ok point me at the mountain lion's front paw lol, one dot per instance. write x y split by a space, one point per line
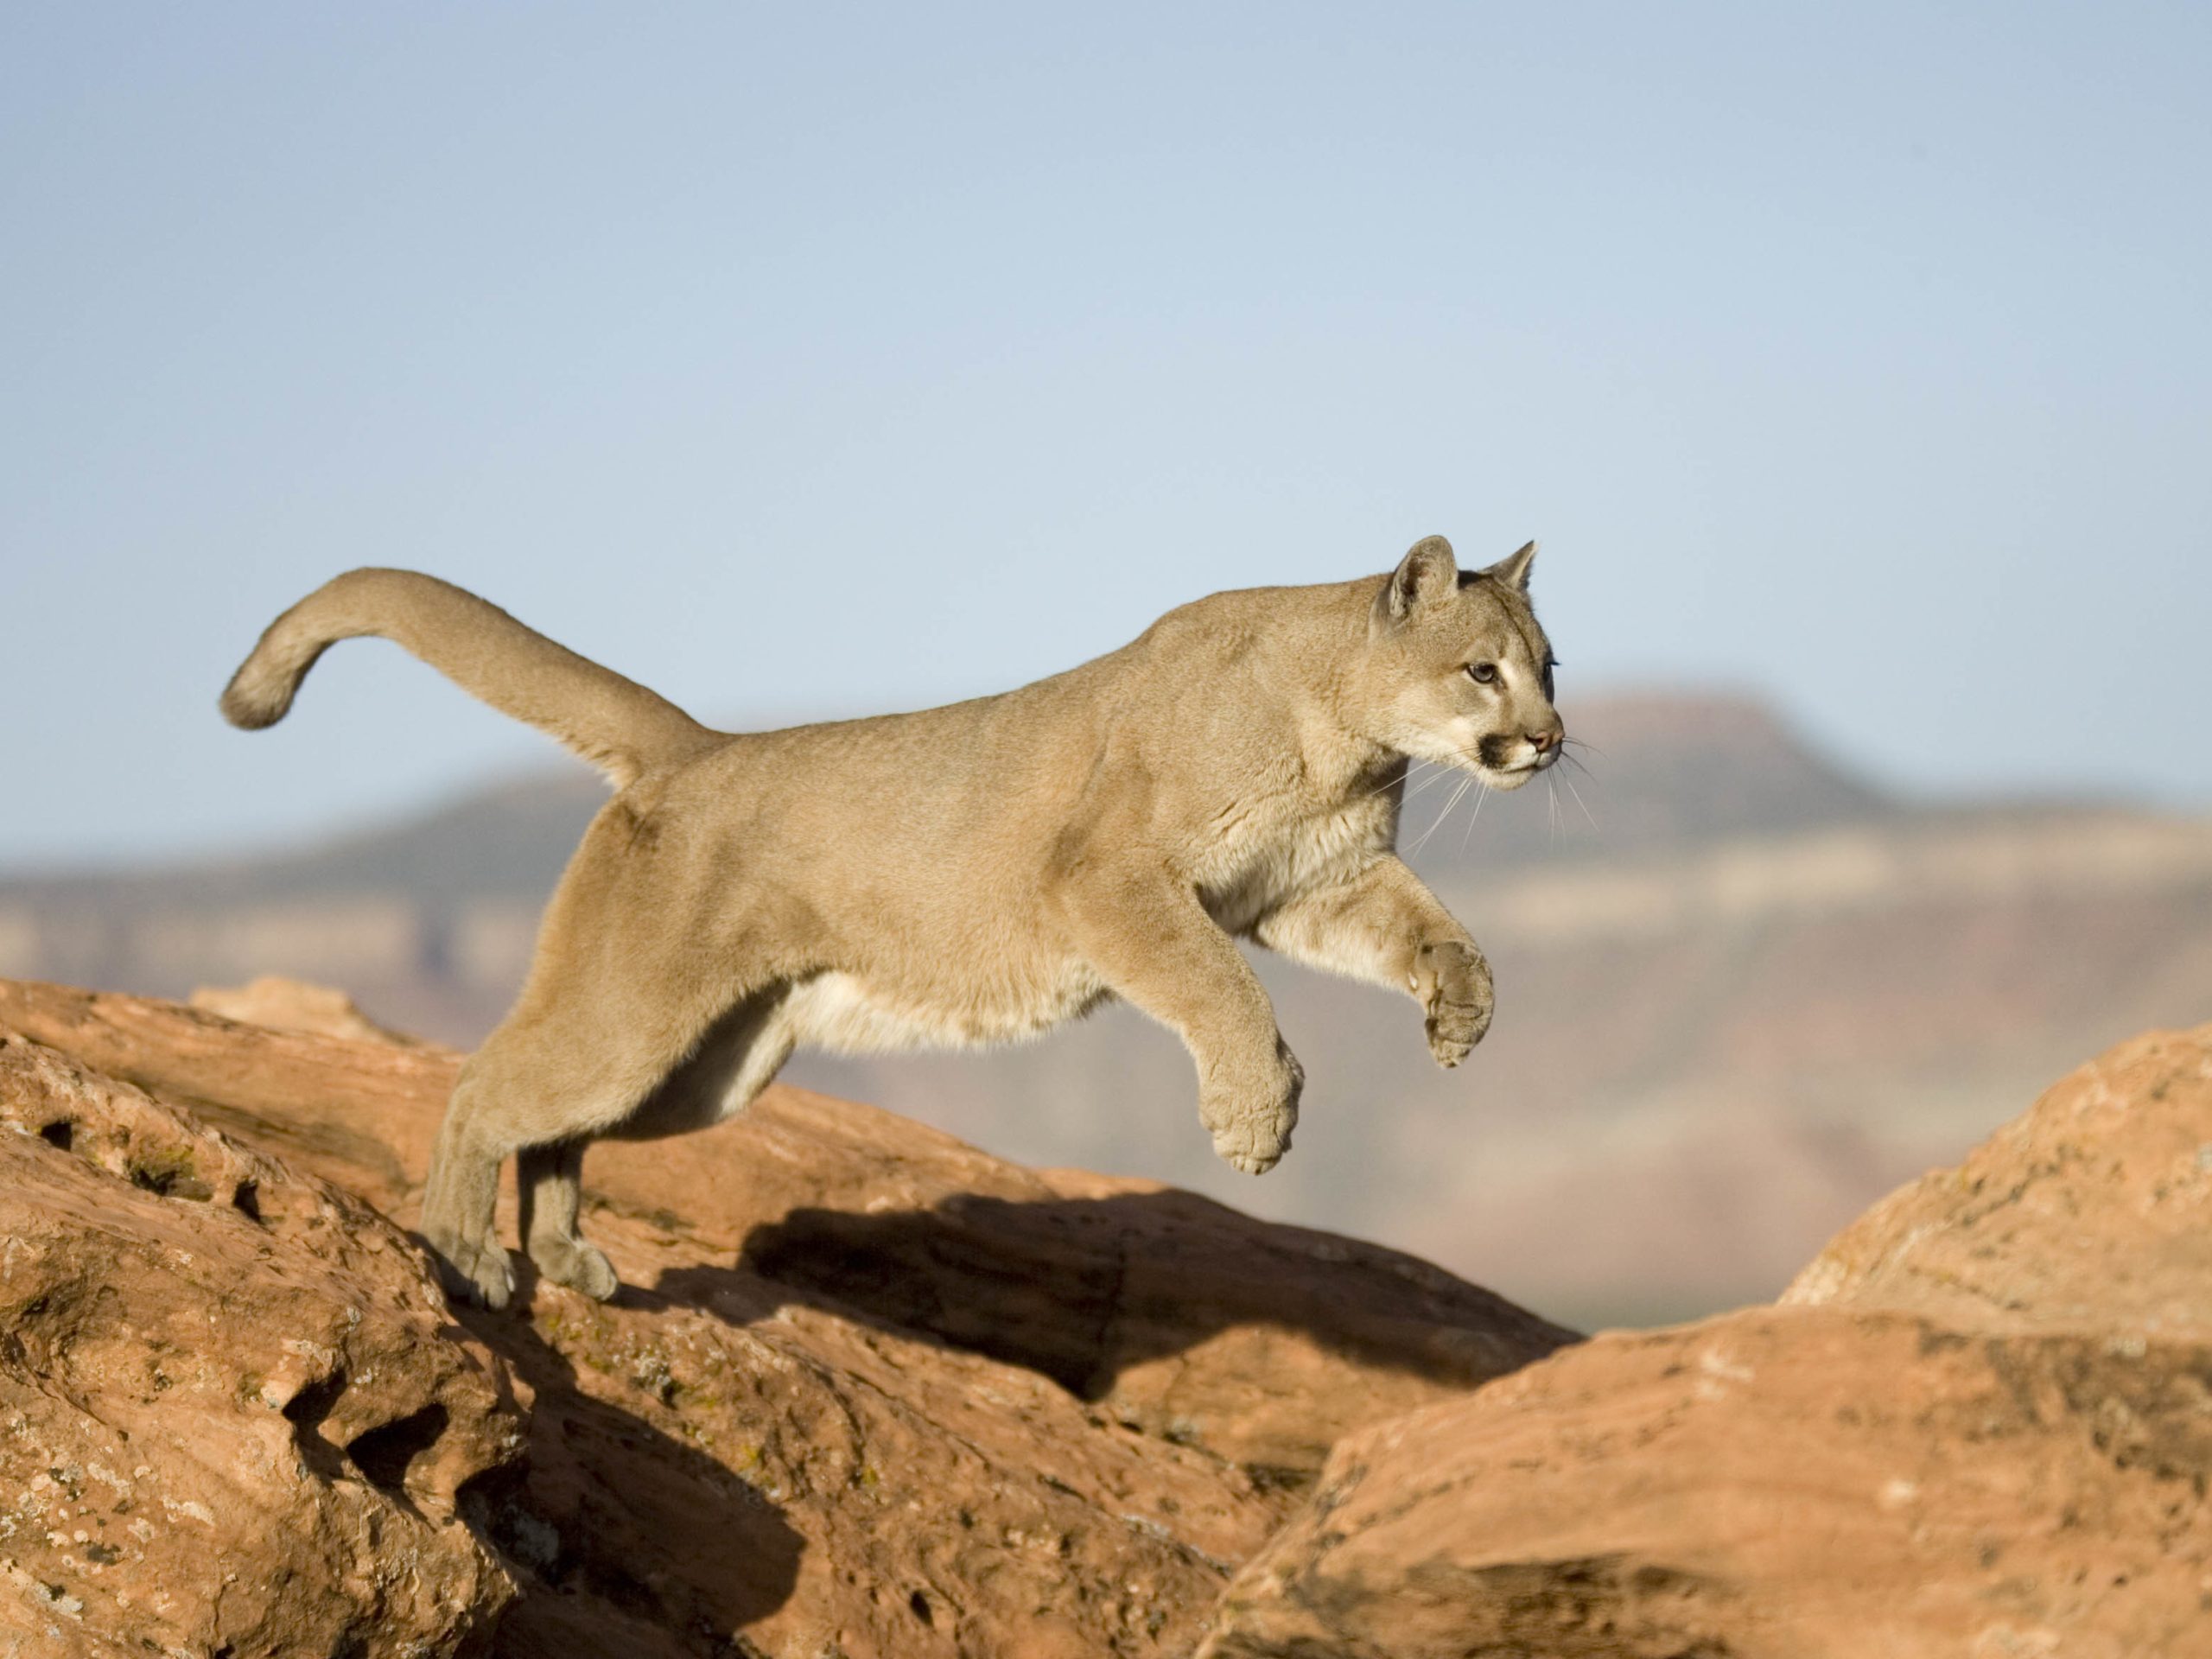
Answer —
1251 1127
1452 981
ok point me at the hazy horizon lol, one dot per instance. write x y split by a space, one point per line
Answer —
861 359
551 765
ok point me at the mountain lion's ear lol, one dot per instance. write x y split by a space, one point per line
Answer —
1425 572
1513 571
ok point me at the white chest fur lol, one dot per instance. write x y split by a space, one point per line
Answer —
1247 876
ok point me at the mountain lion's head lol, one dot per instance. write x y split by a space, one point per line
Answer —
1457 669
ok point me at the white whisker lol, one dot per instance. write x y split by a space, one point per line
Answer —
1391 782
1579 801
1465 784
1467 834
1432 778
1399 778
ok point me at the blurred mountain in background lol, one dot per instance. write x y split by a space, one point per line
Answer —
1740 994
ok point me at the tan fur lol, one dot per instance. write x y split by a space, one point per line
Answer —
968 874
616 724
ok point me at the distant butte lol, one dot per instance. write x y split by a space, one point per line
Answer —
1742 992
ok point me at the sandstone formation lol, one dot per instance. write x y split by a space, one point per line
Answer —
2091 1212
295 1005
234 1416
1982 1425
871 1392
868 1391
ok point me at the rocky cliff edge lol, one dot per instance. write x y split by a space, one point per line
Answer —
871 1392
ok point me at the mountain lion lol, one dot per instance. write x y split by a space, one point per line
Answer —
970 874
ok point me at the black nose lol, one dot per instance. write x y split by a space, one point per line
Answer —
1543 743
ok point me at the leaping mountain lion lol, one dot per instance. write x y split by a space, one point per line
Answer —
964 875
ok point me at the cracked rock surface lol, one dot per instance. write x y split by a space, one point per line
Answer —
866 1391
234 1416
1979 1425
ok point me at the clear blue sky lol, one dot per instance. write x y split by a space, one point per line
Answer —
802 361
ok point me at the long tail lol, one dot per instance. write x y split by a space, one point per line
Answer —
616 724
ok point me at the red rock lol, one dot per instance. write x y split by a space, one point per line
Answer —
1982 1428
1785 1482
293 1005
2092 1212
870 1391
234 1415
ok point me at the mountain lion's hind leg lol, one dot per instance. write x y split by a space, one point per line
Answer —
460 1197
741 1051
550 1180
1155 946
566 1066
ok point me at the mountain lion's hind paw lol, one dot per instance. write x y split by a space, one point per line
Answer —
582 1267
475 1272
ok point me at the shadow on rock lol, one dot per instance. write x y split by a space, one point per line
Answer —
622 1538
1085 1289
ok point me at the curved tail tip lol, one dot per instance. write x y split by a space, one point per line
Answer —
251 707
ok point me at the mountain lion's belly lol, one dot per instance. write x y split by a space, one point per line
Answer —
846 1014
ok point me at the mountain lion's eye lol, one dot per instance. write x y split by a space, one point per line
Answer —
1483 673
